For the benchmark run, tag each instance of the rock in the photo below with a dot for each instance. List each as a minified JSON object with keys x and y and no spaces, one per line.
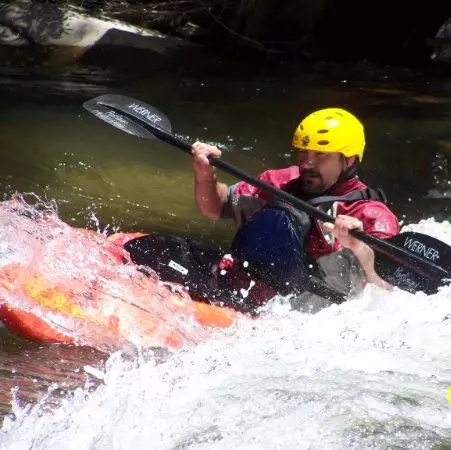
{"x":442,"y":43}
{"x":46,"y":33}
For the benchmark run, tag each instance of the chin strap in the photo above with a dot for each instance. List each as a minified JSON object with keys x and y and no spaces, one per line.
{"x":346,"y":174}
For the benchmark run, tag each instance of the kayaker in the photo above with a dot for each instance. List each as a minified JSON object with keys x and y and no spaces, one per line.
{"x":279,"y":249}
{"x":330,"y":145}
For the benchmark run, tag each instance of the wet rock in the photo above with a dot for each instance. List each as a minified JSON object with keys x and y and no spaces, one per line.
{"x":50,"y":34}
{"x":442,"y":43}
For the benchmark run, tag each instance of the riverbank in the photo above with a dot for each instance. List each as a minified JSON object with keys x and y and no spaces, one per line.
{"x":188,"y":35}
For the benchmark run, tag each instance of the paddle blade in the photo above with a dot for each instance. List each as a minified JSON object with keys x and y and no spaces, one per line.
{"x":116,"y":110}
{"x":417,"y":277}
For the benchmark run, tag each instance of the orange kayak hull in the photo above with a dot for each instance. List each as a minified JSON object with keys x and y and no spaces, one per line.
{"x":56,"y":308}
{"x":30,"y":327}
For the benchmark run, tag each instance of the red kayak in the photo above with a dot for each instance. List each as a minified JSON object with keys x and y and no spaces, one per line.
{"x":60,"y":284}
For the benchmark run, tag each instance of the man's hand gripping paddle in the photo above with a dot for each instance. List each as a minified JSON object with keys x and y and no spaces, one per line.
{"x":411,"y":261}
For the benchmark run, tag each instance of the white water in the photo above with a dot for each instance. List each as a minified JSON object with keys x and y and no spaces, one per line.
{"x":371,"y":373}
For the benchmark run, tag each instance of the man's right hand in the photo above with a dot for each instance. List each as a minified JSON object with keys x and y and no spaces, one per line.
{"x":202,"y":167}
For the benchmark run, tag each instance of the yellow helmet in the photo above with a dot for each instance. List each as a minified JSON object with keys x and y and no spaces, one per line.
{"x":331,"y":130}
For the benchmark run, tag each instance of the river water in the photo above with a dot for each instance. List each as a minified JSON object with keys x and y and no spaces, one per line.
{"x":371,"y":373}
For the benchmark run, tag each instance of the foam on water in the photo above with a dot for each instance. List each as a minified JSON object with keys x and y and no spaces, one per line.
{"x":370,"y":373}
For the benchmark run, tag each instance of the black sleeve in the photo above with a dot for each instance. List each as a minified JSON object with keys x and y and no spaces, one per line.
{"x":227,"y":207}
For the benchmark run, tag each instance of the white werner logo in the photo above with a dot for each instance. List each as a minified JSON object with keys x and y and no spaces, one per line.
{"x":145,"y":112}
{"x":418,"y":247}
{"x":177,"y":267}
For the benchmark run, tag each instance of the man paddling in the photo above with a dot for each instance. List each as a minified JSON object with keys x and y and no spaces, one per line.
{"x":278,"y":249}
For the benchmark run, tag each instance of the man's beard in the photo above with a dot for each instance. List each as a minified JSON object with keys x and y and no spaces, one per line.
{"x":314,"y":185}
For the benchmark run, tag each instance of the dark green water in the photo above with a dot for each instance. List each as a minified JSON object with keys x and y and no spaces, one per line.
{"x":36,"y":368}
{"x":101,"y":177}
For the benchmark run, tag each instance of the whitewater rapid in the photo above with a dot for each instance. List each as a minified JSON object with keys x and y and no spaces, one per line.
{"x":370,"y":373}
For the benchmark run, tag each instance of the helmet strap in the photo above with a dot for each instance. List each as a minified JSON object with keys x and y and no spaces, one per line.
{"x":350,"y":171}
{"x":346,"y":174}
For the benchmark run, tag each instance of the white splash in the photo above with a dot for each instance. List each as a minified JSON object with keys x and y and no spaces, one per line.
{"x":370,"y":373}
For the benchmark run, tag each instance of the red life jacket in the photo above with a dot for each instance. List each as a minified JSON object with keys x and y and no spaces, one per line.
{"x":376,"y":217}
